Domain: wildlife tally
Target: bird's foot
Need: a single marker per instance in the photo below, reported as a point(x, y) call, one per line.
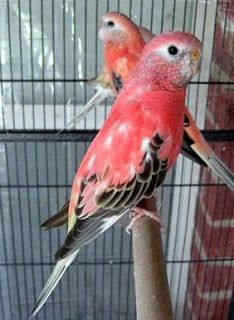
point(137, 213)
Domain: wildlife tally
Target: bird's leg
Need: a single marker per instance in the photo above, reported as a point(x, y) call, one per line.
point(138, 212)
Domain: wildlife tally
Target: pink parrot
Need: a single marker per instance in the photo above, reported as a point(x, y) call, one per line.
point(137, 144)
point(123, 44)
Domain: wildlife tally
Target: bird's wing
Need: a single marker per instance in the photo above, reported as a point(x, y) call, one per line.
point(58, 219)
point(197, 145)
point(108, 193)
point(187, 142)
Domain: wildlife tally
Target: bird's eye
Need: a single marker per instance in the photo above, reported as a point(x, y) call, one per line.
point(173, 50)
point(110, 23)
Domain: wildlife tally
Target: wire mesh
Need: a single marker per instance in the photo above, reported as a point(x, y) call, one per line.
point(47, 50)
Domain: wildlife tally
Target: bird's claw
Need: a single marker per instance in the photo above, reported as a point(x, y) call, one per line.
point(137, 213)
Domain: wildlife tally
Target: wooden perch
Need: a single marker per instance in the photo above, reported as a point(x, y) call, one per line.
point(152, 291)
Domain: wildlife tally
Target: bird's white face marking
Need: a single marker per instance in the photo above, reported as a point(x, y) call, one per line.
point(176, 52)
point(180, 60)
point(108, 141)
point(91, 161)
point(111, 29)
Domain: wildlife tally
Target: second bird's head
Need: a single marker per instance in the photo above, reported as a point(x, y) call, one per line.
point(116, 28)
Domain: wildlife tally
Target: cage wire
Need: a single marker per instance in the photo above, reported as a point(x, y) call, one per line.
point(47, 50)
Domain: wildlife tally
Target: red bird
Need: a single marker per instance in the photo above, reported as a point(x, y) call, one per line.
point(137, 144)
point(123, 44)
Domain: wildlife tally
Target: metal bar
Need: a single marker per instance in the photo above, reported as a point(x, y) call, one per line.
point(10, 61)
point(151, 285)
point(89, 135)
point(88, 79)
point(32, 62)
point(44, 80)
point(166, 185)
point(114, 262)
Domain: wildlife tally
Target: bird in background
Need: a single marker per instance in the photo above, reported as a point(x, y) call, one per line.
point(138, 143)
point(103, 81)
point(123, 43)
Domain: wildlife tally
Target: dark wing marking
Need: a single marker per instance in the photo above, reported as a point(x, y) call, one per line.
point(157, 141)
point(117, 82)
point(147, 173)
point(186, 150)
point(116, 201)
point(128, 194)
point(58, 219)
point(150, 189)
point(87, 230)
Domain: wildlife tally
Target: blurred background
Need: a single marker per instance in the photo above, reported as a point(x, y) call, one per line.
point(47, 50)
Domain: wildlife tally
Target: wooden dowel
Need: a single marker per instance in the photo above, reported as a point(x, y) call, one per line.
point(151, 285)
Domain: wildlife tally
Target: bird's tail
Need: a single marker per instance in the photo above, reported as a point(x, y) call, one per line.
point(222, 171)
point(218, 167)
point(100, 95)
point(59, 269)
point(196, 142)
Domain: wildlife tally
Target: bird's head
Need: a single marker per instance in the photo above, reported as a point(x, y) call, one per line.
point(117, 28)
point(171, 59)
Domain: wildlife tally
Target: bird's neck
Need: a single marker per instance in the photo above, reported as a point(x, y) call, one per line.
point(114, 51)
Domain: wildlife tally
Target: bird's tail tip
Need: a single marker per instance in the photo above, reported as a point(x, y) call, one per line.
point(222, 171)
point(57, 273)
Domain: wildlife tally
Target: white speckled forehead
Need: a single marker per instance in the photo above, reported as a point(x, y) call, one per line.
point(177, 38)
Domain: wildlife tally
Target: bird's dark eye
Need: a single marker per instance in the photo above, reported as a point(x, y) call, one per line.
point(173, 50)
point(110, 23)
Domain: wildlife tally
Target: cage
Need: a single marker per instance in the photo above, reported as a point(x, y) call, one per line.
point(47, 51)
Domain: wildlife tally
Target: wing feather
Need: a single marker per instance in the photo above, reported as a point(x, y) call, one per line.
point(119, 199)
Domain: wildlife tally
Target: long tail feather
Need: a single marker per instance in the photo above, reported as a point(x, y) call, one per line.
point(84, 232)
point(101, 94)
point(217, 166)
point(59, 269)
